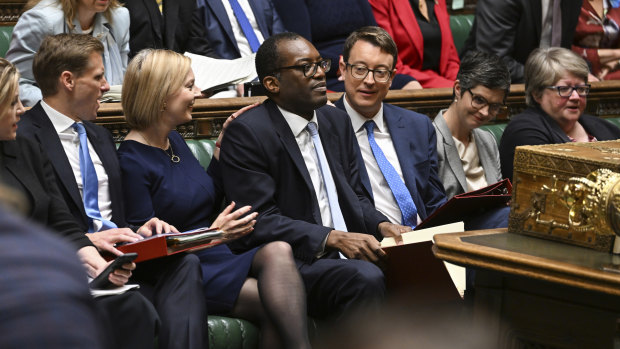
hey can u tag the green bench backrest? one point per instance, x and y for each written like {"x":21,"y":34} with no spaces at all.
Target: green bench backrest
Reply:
{"x":460,"y":26}
{"x":5,"y":39}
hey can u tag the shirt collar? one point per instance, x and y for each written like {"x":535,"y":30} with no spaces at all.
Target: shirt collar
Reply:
{"x":358,"y":120}
{"x":60,"y":121}
{"x":296,"y":122}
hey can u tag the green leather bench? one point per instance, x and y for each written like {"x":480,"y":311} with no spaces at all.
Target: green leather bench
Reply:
{"x":460,"y":25}
{"x":5,"y":39}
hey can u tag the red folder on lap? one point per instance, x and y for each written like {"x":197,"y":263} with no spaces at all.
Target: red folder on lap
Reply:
{"x":163,"y":245}
{"x":462,"y":206}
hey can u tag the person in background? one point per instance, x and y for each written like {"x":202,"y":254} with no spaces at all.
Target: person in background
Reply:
{"x":128,"y":320}
{"x":556,"y":91}
{"x":236,"y":28}
{"x":171,"y":24}
{"x":421,"y":30}
{"x":512,"y":29}
{"x":107,"y":21}
{"x":469,"y":157}
{"x":161,"y":177}
{"x":597,"y":37}
{"x":327,"y":24}
{"x":69,"y":70}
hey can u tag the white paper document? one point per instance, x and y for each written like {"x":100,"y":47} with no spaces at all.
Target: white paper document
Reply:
{"x":211,"y":73}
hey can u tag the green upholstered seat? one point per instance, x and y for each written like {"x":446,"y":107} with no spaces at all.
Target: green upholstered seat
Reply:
{"x":496,"y":130}
{"x":460,"y":26}
{"x":231,"y":333}
{"x":5,"y":39}
{"x":202,"y":150}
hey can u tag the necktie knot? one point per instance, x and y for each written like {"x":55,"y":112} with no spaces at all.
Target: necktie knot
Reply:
{"x":370,"y":126}
{"x":79,"y":128}
{"x":312,"y":129}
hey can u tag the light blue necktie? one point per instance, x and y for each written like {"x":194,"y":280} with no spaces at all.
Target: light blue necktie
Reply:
{"x":328,"y":180}
{"x":90,"y":184}
{"x":246,"y":27}
{"x":399,"y":190}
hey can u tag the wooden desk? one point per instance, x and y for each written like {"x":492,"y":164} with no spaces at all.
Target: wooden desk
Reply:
{"x":534,"y":293}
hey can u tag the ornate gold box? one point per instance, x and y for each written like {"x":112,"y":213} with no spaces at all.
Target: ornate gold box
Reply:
{"x":543,"y":205}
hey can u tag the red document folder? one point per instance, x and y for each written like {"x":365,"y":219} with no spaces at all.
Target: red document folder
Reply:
{"x":462,"y":206}
{"x":163,"y":245}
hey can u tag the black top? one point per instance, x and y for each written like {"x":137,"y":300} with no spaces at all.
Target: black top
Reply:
{"x":533,"y":126}
{"x":431,"y":34}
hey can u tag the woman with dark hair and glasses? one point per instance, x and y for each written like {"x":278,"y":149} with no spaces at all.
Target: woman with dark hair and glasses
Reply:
{"x":555,"y":91}
{"x":468,"y":157}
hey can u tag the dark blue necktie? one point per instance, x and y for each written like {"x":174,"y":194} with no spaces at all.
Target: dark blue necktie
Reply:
{"x":246,"y":27}
{"x":399,"y":190}
{"x":90,"y":184}
{"x":328,"y":180}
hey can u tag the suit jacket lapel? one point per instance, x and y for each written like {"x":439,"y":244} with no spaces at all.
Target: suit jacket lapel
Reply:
{"x":262,"y":24}
{"x":220,"y":13}
{"x":21,"y":174}
{"x":400,"y":139}
{"x":155,"y":17}
{"x":48,"y":138}
{"x":451,"y":153}
{"x":407,"y":18}
{"x":171,"y":10}
{"x":290,"y":144}
{"x":486,"y":158}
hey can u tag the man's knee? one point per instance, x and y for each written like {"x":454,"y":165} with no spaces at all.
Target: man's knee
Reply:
{"x":370,"y":279}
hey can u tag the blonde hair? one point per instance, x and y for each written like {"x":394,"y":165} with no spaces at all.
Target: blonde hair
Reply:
{"x":545,"y":66}
{"x":151,"y":76}
{"x":69,"y":8}
{"x":9,"y":83}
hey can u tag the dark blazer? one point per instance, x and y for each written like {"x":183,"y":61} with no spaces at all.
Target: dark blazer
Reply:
{"x":414,"y":140}
{"x":511,"y":29}
{"x":179,"y":28}
{"x":219,"y":30}
{"x":25,"y":168}
{"x":35,"y":125}
{"x":533,"y":126}
{"x":262,"y":166}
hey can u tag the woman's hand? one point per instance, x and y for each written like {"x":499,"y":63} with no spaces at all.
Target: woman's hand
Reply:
{"x":230,"y":119}
{"x":234,"y":227}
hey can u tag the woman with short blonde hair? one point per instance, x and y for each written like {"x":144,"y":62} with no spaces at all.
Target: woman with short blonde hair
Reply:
{"x":161,"y":177}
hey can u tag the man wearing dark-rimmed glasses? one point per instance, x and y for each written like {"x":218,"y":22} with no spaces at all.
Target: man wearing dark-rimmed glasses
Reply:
{"x":294,"y":160}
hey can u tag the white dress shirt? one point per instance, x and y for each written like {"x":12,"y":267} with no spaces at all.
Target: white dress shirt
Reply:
{"x":306,"y":146}
{"x":242,"y":41}
{"x":382,"y":194}
{"x":70,"y":141}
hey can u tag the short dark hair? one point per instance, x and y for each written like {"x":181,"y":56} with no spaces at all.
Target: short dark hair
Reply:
{"x":62,"y":52}
{"x":373,"y":35}
{"x":267,"y":58}
{"x":486,"y":69}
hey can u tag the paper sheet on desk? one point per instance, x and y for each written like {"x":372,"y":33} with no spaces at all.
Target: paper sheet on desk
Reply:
{"x":210,"y":73}
{"x":113,"y":291}
{"x":457,"y":273}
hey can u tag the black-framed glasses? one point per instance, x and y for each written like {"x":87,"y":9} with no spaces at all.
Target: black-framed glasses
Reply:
{"x":479,"y":102}
{"x":567,"y":91}
{"x":310,"y":69}
{"x":360,"y":71}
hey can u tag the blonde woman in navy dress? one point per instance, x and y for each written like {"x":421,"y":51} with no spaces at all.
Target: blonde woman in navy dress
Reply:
{"x":162,"y":178}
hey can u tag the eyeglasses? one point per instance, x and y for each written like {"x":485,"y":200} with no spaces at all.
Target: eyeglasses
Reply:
{"x":360,"y":72}
{"x":567,"y":91}
{"x":310,"y":69}
{"x":479,"y":102}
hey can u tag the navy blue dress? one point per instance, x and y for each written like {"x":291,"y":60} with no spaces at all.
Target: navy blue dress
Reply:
{"x":186,"y":196}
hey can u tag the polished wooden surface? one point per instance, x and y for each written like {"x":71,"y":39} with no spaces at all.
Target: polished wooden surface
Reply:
{"x":531,"y":257}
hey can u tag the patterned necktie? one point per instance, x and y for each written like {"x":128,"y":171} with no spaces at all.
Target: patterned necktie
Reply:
{"x":160,"y":5}
{"x":328,"y":180}
{"x":90,"y":184}
{"x":399,"y":190}
{"x":246,"y":27}
{"x":556,"y":26}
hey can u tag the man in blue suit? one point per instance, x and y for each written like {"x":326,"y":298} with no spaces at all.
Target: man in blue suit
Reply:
{"x":236,"y":28}
{"x":295,"y":161}
{"x":404,"y":138}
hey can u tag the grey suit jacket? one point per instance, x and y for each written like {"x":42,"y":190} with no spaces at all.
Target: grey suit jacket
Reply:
{"x":450,"y":167}
{"x":47,"y":18}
